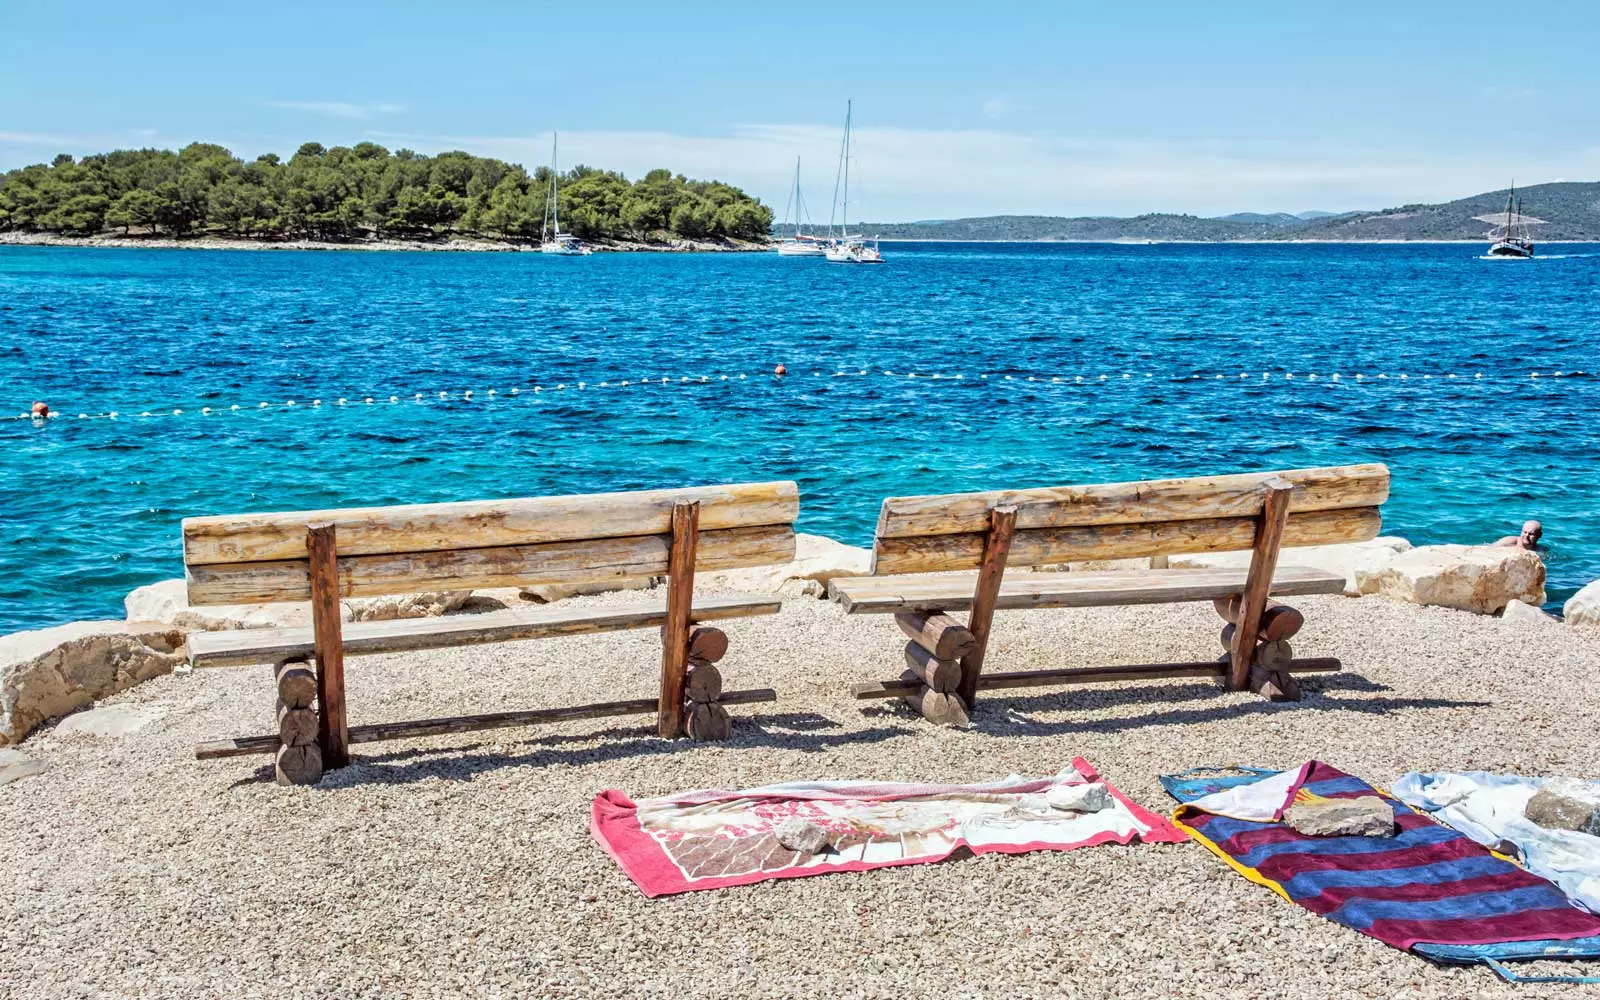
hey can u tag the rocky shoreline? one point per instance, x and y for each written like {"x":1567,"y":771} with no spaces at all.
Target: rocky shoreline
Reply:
{"x":470,"y":244}
{"x":51,"y":673}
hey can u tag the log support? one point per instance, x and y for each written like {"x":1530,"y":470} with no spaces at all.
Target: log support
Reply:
{"x":991,"y":572}
{"x":675,"y":633}
{"x":1258,"y":582}
{"x":333,"y":726}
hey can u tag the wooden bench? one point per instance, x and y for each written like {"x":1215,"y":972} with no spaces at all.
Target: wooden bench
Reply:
{"x":325,"y":556}
{"x":919,"y":540}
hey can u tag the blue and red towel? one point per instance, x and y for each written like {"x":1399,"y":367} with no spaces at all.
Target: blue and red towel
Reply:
{"x":1427,"y":888}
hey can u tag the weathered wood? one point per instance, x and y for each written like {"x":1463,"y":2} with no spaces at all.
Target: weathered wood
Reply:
{"x":328,"y":643}
{"x":378,"y":732}
{"x":941,"y":675}
{"x":1193,"y":498}
{"x":942,"y":636}
{"x":708,"y":645}
{"x":1042,"y":546}
{"x":297,"y":727}
{"x":1273,"y":655}
{"x":268,"y":645}
{"x":890,"y":594}
{"x":438,"y":527}
{"x":477,"y":568}
{"x":996,"y":549}
{"x":1086,"y":675}
{"x":680,"y":598}
{"x":704,"y":682}
{"x":1258,"y":582}
{"x":1274,"y":685}
{"x":1278,"y":621}
{"x":708,"y":721}
{"x":943,"y":708}
{"x":299,"y":765}
{"x":297,"y":684}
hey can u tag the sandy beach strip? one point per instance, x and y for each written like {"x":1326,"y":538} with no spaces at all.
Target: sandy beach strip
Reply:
{"x":462,"y":866}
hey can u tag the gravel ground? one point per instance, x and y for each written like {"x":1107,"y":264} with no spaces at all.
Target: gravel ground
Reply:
{"x":462,"y":866}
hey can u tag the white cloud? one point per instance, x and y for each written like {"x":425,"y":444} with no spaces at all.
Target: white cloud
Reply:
{"x":903,"y":174}
{"x":339,"y":109}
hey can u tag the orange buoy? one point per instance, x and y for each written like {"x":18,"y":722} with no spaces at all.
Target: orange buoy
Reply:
{"x":780,"y":370}
{"x":40,"y":410}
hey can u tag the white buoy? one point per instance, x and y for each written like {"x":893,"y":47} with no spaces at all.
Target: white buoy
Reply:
{"x":113,"y":414}
{"x":394,"y":399}
{"x":289,"y":403}
{"x":316,"y":402}
{"x":265,"y":405}
{"x":235,"y":406}
{"x":145,"y":413}
{"x":515,"y":391}
{"x":205,"y":409}
{"x":467,"y":394}
{"x":341,"y":400}
{"x":177,"y":413}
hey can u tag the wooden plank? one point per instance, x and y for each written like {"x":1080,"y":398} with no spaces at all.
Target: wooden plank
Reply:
{"x":438,"y":527}
{"x":997,"y":546}
{"x":935,"y":553}
{"x":1258,"y":583}
{"x":376,"y":732}
{"x":1086,"y":675}
{"x":893,"y":594}
{"x":943,"y":637}
{"x":269,"y":645}
{"x":1193,"y":498}
{"x":333,"y":725}
{"x":473,"y":569}
{"x":675,"y":633}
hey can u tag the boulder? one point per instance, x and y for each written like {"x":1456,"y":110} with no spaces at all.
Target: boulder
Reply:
{"x":1096,"y":565}
{"x":49,"y":672}
{"x":16,"y":765}
{"x":1359,"y":563}
{"x":816,"y":561}
{"x":1566,"y":804}
{"x":168,"y":601}
{"x":1478,"y":578}
{"x":389,"y":607}
{"x":1363,"y":816}
{"x":544,"y":593}
{"x":796,"y":834}
{"x":1522,"y":611}
{"x":1583,"y":608}
{"x":111,"y":720}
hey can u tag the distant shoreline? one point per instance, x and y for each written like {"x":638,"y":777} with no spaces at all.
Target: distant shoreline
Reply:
{"x":449,"y":244}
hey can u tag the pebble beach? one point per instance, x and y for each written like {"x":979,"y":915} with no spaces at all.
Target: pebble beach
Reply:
{"x":463,"y":866}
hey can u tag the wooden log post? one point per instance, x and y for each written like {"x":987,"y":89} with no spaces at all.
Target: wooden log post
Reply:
{"x":991,"y":571}
{"x":297,"y":727}
{"x":297,"y":685}
{"x":942,"y":636}
{"x":333,"y":730}
{"x":1258,"y":582}
{"x":680,"y":599}
{"x":707,"y":644}
{"x":704,"y":683}
{"x":708,"y":721}
{"x":942,"y":708}
{"x":941,"y":675}
{"x":301,"y":765}
{"x":1278,"y":621}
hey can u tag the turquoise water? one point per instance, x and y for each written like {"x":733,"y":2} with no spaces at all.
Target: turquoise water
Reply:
{"x":1137,"y":336}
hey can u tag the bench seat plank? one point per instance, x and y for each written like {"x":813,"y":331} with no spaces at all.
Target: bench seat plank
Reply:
{"x":269,"y":645}
{"x":953,"y":591}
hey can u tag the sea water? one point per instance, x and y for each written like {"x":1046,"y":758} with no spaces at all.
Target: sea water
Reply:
{"x":951,"y":367}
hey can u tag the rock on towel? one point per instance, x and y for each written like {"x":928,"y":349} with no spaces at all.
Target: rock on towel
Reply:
{"x":714,"y":839}
{"x":1428,"y":884}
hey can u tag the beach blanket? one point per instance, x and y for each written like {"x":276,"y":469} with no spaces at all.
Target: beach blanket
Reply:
{"x":1488,"y":808}
{"x":713,"y":839}
{"x":1429,"y":888}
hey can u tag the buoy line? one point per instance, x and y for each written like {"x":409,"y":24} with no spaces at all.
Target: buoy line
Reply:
{"x":542,"y":390}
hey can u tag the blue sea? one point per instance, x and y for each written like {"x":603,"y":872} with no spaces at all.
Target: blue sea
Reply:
{"x":952,"y":367}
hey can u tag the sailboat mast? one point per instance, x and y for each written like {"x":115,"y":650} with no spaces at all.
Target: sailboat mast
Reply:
{"x":1509,"y":196}
{"x":555,"y":190}
{"x":844,"y":209}
{"x":796,"y":197}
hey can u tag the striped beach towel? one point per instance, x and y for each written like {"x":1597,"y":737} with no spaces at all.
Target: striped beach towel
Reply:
{"x":1429,"y":888}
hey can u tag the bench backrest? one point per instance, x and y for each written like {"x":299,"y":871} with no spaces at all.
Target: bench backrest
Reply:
{"x":256,"y":558}
{"x":1127,"y":520}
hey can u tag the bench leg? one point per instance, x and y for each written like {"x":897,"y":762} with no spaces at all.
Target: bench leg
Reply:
{"x":1271,"y":653}
{"x":680,"y":600}
{"x":1258,"y":582}
{"x":333,"y":730}
{"x":996,"y":548}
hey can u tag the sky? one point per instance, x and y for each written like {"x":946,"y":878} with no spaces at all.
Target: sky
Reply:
{"x":1049,"y":108}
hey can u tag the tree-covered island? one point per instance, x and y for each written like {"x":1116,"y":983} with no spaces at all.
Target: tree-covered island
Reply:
{"x":343,"y":194}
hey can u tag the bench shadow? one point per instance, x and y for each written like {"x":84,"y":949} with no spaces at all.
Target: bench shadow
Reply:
{"x":465,"y":760}
{"x":1175,"y":705}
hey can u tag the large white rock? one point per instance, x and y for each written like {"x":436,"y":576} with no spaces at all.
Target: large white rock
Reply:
{"x":111,"y":720}
{"x":1583,"y":608}
{"x":816,"y":561}
{"x":16,"y":765}
{"x":49,"y":672}
{"x":1360,"y":563}
{"x":1522,"y":611}
{"x":1479,"y":578}
{"x":544,"y":593}
{"x":389,"y":607}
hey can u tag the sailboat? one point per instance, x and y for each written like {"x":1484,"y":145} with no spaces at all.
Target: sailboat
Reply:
{"x":1512,"y":242}
{"x":844,"y":248}
{"x":800,"y":244}
{"x":551,"y":239}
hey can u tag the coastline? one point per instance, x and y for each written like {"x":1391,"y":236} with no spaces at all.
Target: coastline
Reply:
{"x":446,"y":244}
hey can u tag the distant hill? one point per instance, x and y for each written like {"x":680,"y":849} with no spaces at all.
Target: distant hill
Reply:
{"x":1561,"y":211}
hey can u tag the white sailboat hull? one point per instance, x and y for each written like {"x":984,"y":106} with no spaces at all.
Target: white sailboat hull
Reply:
{"x":793,"y":248}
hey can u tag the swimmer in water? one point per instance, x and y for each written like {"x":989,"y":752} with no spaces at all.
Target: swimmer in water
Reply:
{"x":1532,"y":531}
